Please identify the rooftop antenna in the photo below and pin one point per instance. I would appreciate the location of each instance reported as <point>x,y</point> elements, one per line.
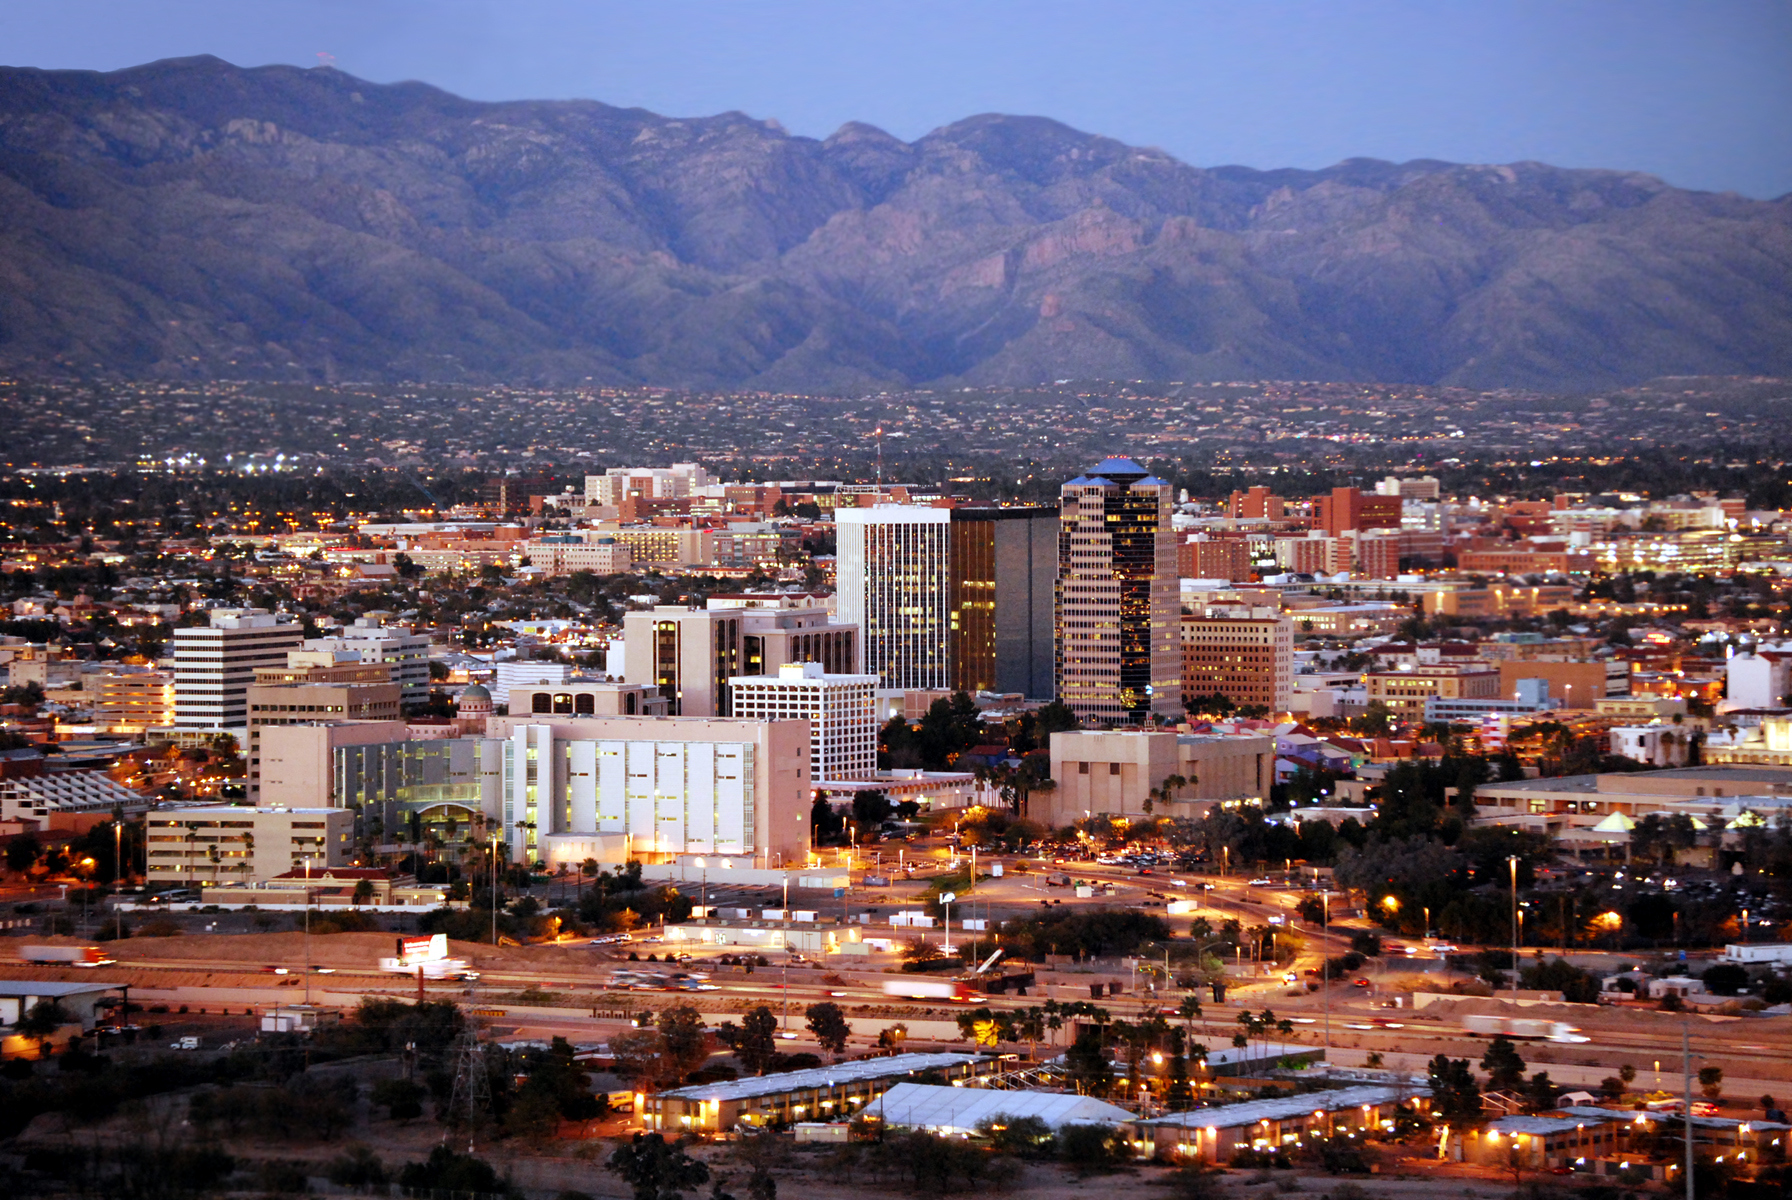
<point>880,458</point>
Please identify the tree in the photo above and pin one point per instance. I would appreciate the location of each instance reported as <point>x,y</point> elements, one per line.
<point>1454,1092</point>
<point>657,1169</point>
<point>1711,1082</point>
<point>1505,1069</point>
<point>869,811</point>
<point>1055,717</point>
<point>22,853</point>
<point>1166,791</point>
<point>1087,1063</point>
<point>685,1044</point>
<point>829,1025</point>
<point>363,893</point>
<point>1540,1092</point>
<point>757,1045</point>
<point>401,1098</point>
<point>639,1055</point>
<point>42,1021</point>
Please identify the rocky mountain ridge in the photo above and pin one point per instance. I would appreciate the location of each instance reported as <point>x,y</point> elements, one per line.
<point>192,219</point>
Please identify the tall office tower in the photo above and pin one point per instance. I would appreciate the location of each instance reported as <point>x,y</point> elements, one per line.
<point>892,565</point>
<point>841,711</point>
<point>690,654</point>
<point>215,664</point>
<point>1004,563</point>
<point>1118,601</point>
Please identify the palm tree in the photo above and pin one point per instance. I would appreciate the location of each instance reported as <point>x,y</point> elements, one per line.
<point>248,866</point>
<point>1166,791</point>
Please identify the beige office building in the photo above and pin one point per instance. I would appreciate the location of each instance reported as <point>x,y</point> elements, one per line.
<point>206,845</point>
<point>1113,772</point>
<point>133,702</point>
<point>297,759</point>
<point>1405,693</point>
<point>312,704</point>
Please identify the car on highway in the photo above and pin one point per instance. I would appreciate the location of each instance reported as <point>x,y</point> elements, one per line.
<point>1262,881</point>
<point>1362,983</point>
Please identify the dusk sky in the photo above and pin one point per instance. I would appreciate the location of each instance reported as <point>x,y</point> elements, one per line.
<point>1697,93</point>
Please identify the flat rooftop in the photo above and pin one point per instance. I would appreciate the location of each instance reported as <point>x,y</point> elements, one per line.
<point>821,1077</point>
<point>1228,1116</point>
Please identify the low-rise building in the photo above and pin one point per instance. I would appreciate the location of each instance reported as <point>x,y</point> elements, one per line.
<point>54,800</point>
<point>1116,771</point>
<point>1216,1135</point>
<point>1406,693</point>
<point>208,845</point>
<point>819,1094</point>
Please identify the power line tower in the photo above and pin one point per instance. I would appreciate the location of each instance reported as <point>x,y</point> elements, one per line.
<point>471,1099</point>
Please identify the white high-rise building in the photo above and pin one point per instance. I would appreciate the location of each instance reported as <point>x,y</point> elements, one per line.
<point>215,664</point>
<point>841,711</point>
<point>407,653</point>
<point>894,572</point>
<point>649,483</point>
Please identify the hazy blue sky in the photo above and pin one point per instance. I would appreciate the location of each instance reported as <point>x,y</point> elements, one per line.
<point>1696,91</point>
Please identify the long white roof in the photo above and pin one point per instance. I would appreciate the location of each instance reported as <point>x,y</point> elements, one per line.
<point>929,1106</point>
<point>820,1077</point>
<point>1230,1116</point>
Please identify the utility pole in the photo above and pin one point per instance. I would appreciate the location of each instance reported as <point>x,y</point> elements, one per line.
<point>307,929</point>
<point>1686,1103</point>
<point>1325,970</point>
<point>1512,861</point>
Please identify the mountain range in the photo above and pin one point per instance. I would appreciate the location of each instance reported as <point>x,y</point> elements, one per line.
<point>191,219</point>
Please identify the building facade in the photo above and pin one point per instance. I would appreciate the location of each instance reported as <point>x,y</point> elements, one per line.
<point>1243,653</point>
<point>313,704</point>
<point>1114,772</point>
<point>394,646</point>
<point>1405,694</point>
<point>208,845</point>
<point>689,654</point>
<point>672,786</point>
<point>131,702</point>
<point>214,665</point>
<point>893,565</point>
<point>841,711</point>
<point>1004,565</point>
<point>1118,599</point>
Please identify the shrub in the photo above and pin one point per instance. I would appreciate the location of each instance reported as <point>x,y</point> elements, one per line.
<point>1087,1148</point>
<point>358,1168</point>
<point>444,1170</point>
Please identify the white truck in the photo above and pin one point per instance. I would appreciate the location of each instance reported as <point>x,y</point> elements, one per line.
<point>77,956</point>
<point>917,988</point>
<point>1521,1027</point>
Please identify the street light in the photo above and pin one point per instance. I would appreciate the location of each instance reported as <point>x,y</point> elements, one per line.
<point>946,899</point>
